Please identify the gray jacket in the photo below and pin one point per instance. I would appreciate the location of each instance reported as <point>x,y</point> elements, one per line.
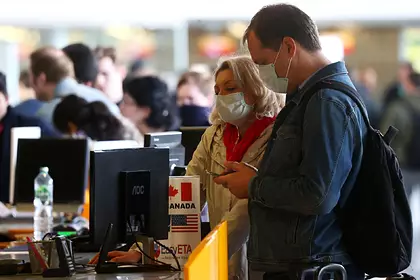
<point>69,86</point>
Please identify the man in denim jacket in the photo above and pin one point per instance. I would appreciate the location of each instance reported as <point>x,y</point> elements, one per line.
<point>313,158</point>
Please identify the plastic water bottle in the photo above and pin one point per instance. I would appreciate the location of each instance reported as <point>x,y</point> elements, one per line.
<point>43,202</point>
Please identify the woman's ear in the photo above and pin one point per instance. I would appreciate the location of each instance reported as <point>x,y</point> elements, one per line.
<point>249,97</point>
<point>145,112</point>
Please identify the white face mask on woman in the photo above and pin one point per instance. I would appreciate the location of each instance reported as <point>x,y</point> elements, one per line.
<point>269,76</point>
<point>232,108</point>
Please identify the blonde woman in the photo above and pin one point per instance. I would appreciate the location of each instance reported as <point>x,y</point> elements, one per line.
<point>242,120</point>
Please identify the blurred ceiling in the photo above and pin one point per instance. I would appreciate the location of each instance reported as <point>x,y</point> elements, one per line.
<point>166,13</point>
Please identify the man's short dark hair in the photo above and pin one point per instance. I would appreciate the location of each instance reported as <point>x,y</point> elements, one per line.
<point>274,22</point>
<point>52,63</point>
<point>3,84</point>
<point>84,62</point>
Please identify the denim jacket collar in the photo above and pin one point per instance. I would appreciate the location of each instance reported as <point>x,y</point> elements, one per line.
<point>329,71</point>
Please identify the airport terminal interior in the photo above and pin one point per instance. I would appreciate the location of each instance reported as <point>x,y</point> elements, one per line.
<point>197,140</point>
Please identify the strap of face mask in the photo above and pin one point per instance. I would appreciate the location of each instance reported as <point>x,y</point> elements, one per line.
<point>288,67</point>
<point>289,63</point>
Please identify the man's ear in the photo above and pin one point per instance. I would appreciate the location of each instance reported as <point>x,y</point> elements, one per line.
<point>290,44</point>
<point>41,79</point>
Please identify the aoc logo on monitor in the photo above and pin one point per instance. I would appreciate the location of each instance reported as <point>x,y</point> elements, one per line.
<point>137,190</point>
<point>181,198</point>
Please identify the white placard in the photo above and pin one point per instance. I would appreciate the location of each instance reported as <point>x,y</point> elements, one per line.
<point>184,212</point>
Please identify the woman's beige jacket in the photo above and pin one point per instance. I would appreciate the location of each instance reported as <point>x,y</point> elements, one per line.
<point>222,205</point>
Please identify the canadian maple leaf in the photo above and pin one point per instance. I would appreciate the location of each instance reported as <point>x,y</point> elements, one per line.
<point>172,191</point>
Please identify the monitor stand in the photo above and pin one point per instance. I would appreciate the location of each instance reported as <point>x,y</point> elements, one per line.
<point>148,247</point>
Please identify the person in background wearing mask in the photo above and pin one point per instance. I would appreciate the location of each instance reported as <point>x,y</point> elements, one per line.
<point>194,98</point>
<point>313,158</point>
<point>242,121</point>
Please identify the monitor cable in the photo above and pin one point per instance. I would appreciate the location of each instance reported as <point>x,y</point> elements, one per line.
<point>171,252</point>
<point>151,258</point>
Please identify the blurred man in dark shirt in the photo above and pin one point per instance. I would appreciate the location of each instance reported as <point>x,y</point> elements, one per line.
<point>9,118</point>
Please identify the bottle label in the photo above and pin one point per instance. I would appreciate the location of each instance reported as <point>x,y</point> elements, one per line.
<point>42,193</point>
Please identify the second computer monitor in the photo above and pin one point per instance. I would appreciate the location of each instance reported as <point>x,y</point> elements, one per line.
<point>171,140</point>
<point>67,160</point>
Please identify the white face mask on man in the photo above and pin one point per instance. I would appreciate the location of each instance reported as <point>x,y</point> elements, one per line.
<point>269,76</point>
<point>232,108</point>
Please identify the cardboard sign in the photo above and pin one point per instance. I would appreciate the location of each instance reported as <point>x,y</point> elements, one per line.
<point>184,213</point>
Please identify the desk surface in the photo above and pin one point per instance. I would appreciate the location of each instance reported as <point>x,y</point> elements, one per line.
<point>91,275</point>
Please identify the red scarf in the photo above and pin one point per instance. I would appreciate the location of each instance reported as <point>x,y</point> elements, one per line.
<point>236,146</point>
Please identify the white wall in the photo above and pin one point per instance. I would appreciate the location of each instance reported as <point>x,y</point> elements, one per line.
<point>9,65</point>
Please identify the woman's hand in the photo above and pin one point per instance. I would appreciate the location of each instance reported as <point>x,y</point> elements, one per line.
<point>120,257</point>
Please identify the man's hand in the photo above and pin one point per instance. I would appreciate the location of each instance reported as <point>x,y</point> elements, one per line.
<point>120,257</point>
<point>237,182</point>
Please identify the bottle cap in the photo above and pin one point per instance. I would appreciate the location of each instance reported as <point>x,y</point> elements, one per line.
<point>44,169</point>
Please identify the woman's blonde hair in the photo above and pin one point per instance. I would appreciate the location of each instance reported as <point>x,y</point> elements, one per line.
<point>246,75</point>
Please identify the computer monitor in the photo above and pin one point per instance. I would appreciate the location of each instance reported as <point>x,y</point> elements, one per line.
<point>171,140</point>
<point>191,136</point>
<point>67,160</point>
<point>108,195</point>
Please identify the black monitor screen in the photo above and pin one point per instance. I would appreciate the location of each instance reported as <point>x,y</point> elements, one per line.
<point>108,197</point>
<point>67,160</point>
<point>191,136</point>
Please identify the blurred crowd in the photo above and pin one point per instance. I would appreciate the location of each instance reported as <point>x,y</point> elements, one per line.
<point>82,91</point>
<point>398,105</point>
<point>77,90</point>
